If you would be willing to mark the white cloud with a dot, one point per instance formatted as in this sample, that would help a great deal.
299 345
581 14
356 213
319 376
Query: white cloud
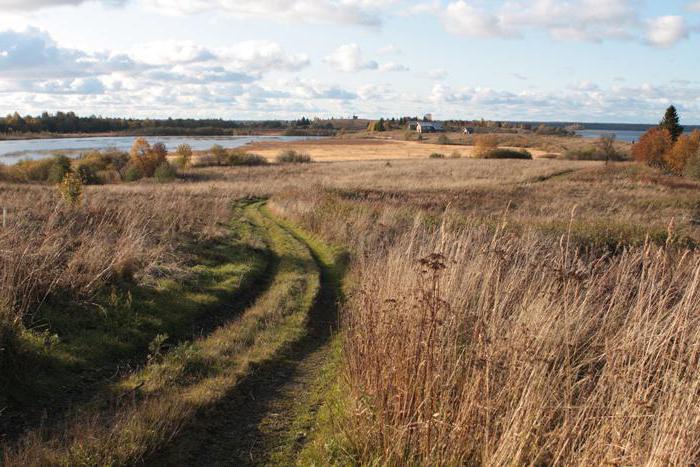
32 54
349 58
463 19
390 49
694 5
667 31
578 20
262 56
393 66
358 12
27 5
170 52
437 74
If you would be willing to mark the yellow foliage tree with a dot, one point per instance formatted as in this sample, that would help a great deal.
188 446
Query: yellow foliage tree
652 147
686 147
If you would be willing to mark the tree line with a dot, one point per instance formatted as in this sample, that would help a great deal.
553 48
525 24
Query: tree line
69 122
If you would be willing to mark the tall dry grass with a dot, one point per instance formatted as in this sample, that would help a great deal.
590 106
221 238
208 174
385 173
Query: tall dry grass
475 348
48 247
507 347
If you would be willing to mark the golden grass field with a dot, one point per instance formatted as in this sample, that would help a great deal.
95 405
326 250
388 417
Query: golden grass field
352 149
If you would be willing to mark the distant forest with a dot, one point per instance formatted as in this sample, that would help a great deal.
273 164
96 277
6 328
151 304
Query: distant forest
69 122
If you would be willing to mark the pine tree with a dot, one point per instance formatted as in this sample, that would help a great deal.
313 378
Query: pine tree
671 123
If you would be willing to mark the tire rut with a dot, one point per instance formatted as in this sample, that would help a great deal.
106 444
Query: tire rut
254 425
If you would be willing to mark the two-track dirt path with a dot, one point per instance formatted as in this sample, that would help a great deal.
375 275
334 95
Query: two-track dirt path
266 418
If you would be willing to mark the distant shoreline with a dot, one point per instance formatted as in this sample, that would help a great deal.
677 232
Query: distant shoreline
33 136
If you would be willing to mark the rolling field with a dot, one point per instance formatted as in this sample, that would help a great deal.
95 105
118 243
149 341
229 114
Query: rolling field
410 311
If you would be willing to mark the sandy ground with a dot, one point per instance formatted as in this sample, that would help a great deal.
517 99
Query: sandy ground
364 149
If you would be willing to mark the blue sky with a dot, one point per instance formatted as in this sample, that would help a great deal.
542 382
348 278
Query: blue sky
579 60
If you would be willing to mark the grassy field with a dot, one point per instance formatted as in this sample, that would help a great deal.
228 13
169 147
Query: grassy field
494 311
356 149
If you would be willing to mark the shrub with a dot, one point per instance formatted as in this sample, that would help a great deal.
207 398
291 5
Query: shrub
437 155
443 139
507 154
71 189
88 175
165 173
241 158
291 156
219 153
652 147
60 166
485 144
184 155
376 126
455 155
589 153
133 173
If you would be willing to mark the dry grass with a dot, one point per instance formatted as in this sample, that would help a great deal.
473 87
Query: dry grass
484 347
48 248
545 339
474 348
365 149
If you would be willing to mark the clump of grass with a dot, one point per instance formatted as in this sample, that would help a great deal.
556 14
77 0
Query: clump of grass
437 155
291 156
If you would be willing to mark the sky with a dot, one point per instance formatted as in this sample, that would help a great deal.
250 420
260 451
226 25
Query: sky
543 60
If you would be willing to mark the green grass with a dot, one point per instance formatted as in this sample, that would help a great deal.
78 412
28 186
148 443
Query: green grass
74 345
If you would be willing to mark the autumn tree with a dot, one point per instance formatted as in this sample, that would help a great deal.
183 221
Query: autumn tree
671 122
147 158
653 146
686 146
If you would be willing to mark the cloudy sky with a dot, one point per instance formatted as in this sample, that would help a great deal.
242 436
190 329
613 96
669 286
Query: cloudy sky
582 60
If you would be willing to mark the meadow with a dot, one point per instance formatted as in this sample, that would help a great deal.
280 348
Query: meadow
381 310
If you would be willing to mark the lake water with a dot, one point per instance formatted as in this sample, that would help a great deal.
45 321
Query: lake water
622 135
16 150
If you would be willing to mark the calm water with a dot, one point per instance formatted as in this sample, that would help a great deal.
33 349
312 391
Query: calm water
14 151
622 135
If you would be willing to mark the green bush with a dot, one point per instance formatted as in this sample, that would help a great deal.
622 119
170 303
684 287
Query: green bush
165 173
242 158
60 166
133 173
437 155
443 139
503 153
293 157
